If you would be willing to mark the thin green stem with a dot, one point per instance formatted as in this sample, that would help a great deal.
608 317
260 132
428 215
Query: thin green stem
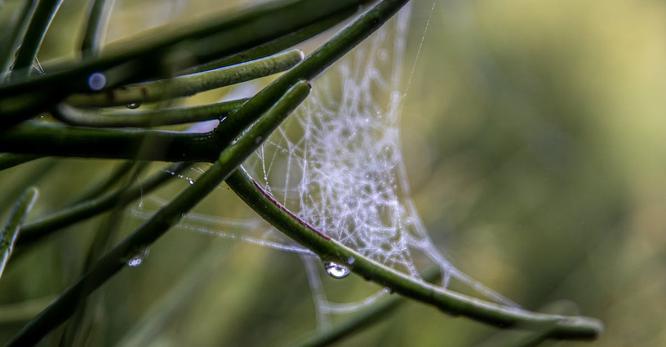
186 85
39 25
13 42
162 221
48 139
143 57
368 316
9 160
273 46
266 206
316 62
9 233
141 119
96 22
37 230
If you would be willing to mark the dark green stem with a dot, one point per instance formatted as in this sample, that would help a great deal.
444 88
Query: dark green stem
161 222
48 139
9 160
133 119
13 41
186 85
316 62
266 206
144 57
96 21
39 24
10 231
273 46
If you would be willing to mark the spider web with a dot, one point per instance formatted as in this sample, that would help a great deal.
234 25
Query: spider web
337 164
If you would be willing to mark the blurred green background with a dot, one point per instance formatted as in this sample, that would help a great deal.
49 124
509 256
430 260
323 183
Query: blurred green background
534 137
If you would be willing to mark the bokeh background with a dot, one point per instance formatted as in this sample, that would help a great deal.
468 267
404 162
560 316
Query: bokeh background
533 134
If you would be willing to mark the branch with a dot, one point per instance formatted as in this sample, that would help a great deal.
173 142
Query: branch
96 22
48 139
9 233
143 57
39 24
315 63
186 85
161 222
13 42
133 119
447 301
9 160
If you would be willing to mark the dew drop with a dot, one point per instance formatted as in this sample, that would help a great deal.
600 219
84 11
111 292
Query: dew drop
336 270
351 260
96 81
138 258
133 105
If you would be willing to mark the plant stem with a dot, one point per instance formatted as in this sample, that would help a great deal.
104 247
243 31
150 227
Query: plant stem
37 230
9 233
9 160
96 22
377 311
161 222
129 119
144 57
16 36
39 25
273 46
48 139
316 62
186 85
266 206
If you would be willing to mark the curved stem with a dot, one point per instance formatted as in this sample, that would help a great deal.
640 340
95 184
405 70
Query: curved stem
153 55
450 302
273 46
316 62
132 119
9 160
203 41
13 42
39 24
48 139
37 230
96 22
9 233
161 222
186 85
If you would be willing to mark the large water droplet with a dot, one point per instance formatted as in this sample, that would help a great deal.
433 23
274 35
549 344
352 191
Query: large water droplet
133 105
336 270
138 258
96 81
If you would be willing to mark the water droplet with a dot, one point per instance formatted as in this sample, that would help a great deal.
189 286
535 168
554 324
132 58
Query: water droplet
133 105
351 260
138 258
336 270
96 81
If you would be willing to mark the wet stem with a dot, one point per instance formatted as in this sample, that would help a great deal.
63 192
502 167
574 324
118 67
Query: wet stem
248 44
